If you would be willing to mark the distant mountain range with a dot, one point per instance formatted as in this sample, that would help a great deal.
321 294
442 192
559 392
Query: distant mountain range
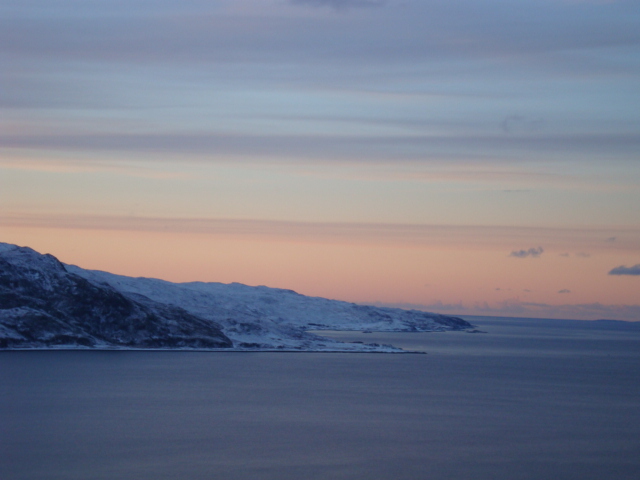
47 304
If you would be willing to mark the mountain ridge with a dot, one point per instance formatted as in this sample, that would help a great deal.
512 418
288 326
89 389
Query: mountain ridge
47 304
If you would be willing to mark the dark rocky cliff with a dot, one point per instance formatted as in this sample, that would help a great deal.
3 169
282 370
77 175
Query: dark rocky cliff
43 305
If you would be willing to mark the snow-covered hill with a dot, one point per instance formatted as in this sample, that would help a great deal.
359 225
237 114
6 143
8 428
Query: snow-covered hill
44 303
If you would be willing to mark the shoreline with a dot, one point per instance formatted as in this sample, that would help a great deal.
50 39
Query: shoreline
202 350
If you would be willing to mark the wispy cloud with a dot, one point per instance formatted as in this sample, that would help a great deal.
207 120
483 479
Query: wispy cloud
622 270
485 237
138 170
341 4
577 255
564 290
360 147
521 124
532 252
204 30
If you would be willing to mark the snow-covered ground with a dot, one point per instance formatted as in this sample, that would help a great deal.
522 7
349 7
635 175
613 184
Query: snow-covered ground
274 317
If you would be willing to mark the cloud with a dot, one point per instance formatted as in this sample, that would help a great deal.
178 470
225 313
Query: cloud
583 255
331 146
188 31
611 239
521 124
532 252
340 4
369 233
622 270
564 290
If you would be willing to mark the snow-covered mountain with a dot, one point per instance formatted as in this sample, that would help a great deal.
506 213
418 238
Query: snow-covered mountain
45 304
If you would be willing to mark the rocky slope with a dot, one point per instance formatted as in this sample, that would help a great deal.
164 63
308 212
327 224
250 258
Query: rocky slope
44 305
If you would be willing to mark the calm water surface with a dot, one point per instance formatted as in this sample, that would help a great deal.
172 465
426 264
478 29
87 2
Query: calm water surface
529 399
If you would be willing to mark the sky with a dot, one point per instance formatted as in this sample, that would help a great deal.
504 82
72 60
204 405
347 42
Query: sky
473 157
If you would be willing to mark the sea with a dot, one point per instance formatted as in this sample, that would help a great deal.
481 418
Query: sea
518 399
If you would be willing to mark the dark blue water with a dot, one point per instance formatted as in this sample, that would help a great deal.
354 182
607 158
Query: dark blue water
527 400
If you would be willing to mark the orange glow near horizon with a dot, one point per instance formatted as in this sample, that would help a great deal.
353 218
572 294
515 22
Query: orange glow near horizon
365 273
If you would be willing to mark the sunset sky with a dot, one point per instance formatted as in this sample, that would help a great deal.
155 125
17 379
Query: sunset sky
459 156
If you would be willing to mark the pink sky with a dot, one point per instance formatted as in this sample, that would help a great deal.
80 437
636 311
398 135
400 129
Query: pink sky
448 269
